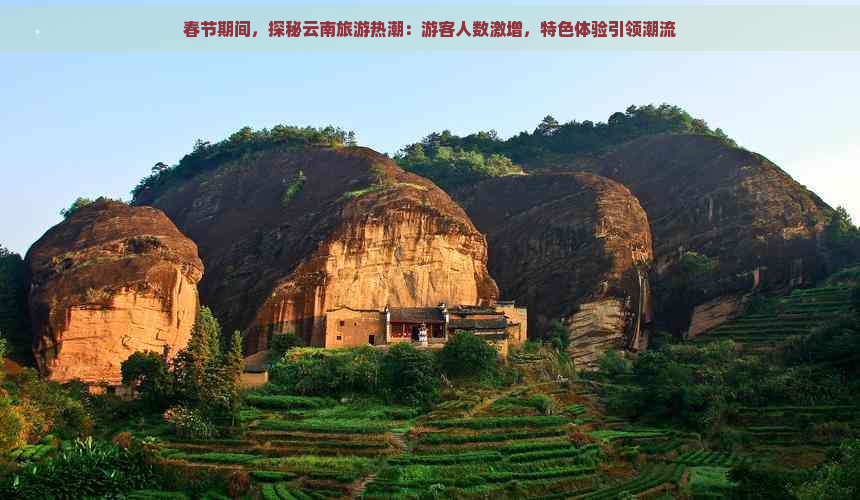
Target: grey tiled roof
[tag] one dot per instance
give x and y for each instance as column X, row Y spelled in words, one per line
column 499, row 323
column 416, row 315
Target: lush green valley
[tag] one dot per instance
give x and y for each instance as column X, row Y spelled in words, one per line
column 762, row 408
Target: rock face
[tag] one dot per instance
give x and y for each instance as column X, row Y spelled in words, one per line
column 106, row 282
column 571, row 247
column 758, row 224
column 290, row 234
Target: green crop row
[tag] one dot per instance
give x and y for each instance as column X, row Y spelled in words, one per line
column 534, row 456
column 435, row 438
column 344, row 445
column 500, row 422
column 477, row 481
column 345, row 469
column 451, row 459
column 216, row 457
column 710, row 482
column 282, row 491
column 345, row 426
column 655, row 477
column 286, row 402
column 156, row 495
column 272, row 476
column 611, row 435
column 533, row 446
column 576, row 410
column 705, row 457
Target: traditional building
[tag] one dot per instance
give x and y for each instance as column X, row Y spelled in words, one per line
column 502, row 325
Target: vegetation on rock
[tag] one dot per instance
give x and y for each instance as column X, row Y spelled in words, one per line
column 450, row 160
column 207, row 156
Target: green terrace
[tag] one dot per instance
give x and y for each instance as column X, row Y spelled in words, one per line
column 796, row 314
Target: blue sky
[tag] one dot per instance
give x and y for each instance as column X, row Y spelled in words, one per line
column 90, row 124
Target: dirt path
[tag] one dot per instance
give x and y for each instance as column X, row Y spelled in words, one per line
column 357, row 489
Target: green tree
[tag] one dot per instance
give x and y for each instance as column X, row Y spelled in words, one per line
column 548, row 126
column 232, row 365
column 842, row 239
column 351, row 139
column 467, row 355
column 559, row 336
column 410, row 376
column 147, row 371
column 13, row 301
column 77, row 204
column 202, row 353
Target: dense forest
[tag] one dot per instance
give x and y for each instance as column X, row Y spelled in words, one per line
column 451, row 160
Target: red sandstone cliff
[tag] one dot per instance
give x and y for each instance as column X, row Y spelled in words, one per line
column 571, row 247
column 108, row 281
column 359, row 232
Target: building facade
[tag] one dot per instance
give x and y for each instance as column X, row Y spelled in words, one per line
column 502, row 325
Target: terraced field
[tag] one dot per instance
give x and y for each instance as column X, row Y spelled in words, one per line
column 535, row 439
column 299, row 447
column 787, row 425
column 525, row 441
column 795, row 314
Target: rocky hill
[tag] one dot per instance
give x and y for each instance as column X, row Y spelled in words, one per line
column 108, row 281
column 288, row 233
column 725, row 221
column 571, row 247
column 758, row 226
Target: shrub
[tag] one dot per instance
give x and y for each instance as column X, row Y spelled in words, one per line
column 283, row 342
column 559, row 336
column 189, row 422
column 85, row 469
column 410, row 376
column 467, row 355
column 839, row 478
column 761, row 483
column 318, row 372
column 612, row 364
column 294, row 188
column 11, row 427
column 540, row 402
column 47, row 408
